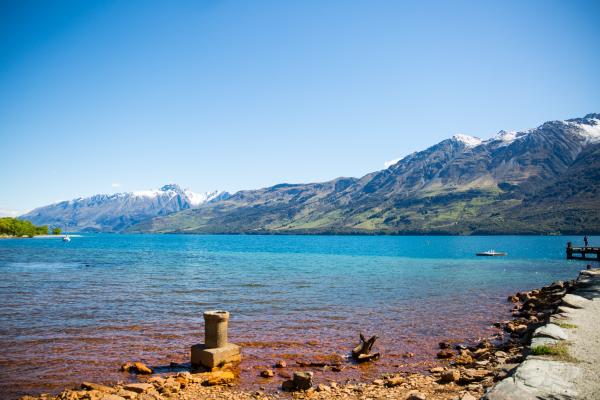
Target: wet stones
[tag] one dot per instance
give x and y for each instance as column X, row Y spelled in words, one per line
column 321, row 387
column 452, row 375
column 138, row 387
column 473, row 375
column 300, row 381
column 445, row 353
column 98, row 387
column 303, row 380
column 219, row 378
column 394, row 381
column 267, row 373
column 136, row 367
column 415, row 395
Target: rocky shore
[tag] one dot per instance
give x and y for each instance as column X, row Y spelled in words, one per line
column 500, row 367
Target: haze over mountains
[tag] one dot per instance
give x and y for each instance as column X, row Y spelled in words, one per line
column 543, row 180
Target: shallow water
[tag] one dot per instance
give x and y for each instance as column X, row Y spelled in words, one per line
column 75, row 311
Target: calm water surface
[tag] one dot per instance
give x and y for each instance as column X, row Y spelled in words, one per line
column 75, row 311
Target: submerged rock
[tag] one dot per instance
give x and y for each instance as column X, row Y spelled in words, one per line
column 267, row 373
column 136, row 367
column 446, row 353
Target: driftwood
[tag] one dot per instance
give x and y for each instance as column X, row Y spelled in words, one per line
column 362, row 352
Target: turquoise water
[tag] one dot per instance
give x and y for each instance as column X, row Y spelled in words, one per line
column 88, row 305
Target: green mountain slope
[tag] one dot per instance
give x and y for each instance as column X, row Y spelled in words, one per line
column 544, row 180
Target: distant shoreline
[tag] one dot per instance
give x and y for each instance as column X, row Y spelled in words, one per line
column 40, row 236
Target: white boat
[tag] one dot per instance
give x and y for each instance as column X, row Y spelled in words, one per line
column 491, row 253
column 66, row 238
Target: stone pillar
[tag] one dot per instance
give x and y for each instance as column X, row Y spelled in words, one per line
column 216, row 350
column 215, row 329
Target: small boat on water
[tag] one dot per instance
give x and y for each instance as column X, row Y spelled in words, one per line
column 491, row 253
column 66, row 238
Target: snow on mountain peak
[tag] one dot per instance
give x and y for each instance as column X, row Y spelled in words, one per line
column 506, row 136
column 195, row 199
column 388, row 164
column 589, row 129
column 469, row 141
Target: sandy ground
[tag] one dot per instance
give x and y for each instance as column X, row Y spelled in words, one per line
column 585, row 347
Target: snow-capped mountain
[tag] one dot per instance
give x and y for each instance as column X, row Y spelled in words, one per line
column 116, row 212
column 540, row 180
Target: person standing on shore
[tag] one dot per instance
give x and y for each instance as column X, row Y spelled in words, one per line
column 585, row 240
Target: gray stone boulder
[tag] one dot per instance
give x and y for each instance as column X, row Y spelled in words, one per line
column 574, row 301
column 550, row 331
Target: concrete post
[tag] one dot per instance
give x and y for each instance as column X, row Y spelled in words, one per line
column 215, row 329
column 216, row 350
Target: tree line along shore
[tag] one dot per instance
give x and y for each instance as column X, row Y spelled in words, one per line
column 13, row 227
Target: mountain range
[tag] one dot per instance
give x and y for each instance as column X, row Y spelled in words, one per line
column 116, row 212
column 540, row 181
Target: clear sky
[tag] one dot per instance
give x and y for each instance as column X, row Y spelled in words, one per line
column 105, row 96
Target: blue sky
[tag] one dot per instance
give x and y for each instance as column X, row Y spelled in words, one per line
column 105, row 96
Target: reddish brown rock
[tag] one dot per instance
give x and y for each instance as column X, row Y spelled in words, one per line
column 464, row 359
column 267, row 373
column 449, row 376
column 138, row 387
column 136, row 367
column 219, row 378
column 394, row 381
column 445, row 353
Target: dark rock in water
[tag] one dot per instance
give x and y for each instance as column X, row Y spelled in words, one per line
column 267, row 373
column 445, row 345
column 303, row 380
column 446, row 353
column 280, row 364
column 288, row 386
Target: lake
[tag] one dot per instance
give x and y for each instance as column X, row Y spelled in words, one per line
column 76, row 311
